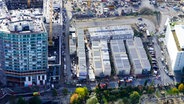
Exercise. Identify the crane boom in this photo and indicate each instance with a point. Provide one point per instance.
(89, 3)
(50, 24)
(28, 3)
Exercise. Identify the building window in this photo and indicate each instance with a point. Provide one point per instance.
(29, 78)
(38, 77)
(43, 77)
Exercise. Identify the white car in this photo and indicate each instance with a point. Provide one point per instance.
(78, 85)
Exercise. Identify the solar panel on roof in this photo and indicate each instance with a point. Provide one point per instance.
(137, 64)
(142, 52)
(98, 64)
(145, 62)
(96, 53)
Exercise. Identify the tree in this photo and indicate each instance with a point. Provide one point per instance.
(78, 9)
(145, 83)
(134, 97)
(126, 100)
(181, 87)
(104, 100)
(54, 92)
(82, 92)
(74, 98)
(21, 101)
(12, 100)
(35, 100)
(92, 100)
(65, 91)
(174, 91)
(86, 91)
(150, 89)
(120, 101)
(146, 11)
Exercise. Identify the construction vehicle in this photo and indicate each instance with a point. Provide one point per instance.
(50, 24)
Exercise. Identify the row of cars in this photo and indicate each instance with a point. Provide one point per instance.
(154, 62)
(126, 79)
(152, 54)
(167, 72)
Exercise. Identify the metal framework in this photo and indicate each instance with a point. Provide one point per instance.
(50, 24)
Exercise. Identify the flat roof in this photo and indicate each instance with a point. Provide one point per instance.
(120, 31)
(137, 53)
(179, 30)
(117, 46)
(101, 56)
(21, 21)
(81, 52)
(138, 42)
(120, 57)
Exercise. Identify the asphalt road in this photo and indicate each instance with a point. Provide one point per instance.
(67, 51)
(164, 77)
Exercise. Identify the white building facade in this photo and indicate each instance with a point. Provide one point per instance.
(175, 45)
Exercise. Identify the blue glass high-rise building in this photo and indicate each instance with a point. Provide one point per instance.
(23, 47)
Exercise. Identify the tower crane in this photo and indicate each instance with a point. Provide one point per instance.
(50, 23)
(28, 3)
(89, 4)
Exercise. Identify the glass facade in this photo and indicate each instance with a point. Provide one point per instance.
(23, 52)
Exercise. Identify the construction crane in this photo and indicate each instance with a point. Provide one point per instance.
(89, 4)
(28, 3)
(50, 24)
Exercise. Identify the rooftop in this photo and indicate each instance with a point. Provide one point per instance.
(81, 52)
(120, 57)
(21, 21)
(179, 30)
(116, 32)
(101, 57)
(137, 53)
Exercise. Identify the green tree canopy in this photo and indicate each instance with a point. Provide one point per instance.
(92, 100)
(65, 91)
(35, 100)
(181, 87)
(82, 92)
(174, 91)
(150, 89)
(120, 101)
(126, 100)
(54, 92)
(134, 97)
(146, 11)
(21, 101)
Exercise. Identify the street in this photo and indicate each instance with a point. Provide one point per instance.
(164, 77)
(67, 53)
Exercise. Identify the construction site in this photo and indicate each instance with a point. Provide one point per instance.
(23, 4)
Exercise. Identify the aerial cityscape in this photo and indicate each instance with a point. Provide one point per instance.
(91, 52)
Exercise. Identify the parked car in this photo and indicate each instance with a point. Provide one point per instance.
(166, 71)
(170, 75)
(151, 49)
(129, 80)
(78, 85)
(140, 18)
